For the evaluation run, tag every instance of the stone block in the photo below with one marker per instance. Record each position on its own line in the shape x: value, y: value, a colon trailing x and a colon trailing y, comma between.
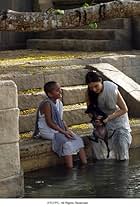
x: 27, y: 101
x: 117, y: 23
x: 27, y: 122
x: 116, y: 61
x: 135, y: 60
x: 29, y: 81
x: 9, y: 125
x: 69, y: 77
x: 8, y: 95
x: 76, y: 45
x: 12, y: 187
x: 41, y: 161
x: 9, y: 160
x: 124, y: 36
x: 74, y: 95
x: 34, y: 147
x: 76, y: 116
x: 136, y: 32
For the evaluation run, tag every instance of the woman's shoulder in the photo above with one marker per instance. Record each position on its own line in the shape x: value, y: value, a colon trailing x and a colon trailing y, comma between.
x: 110, y: 85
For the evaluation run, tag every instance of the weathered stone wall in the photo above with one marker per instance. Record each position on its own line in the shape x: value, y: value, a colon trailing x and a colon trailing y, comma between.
x: 136, y: 32
x: 15, y: 40
x: 11, y: 180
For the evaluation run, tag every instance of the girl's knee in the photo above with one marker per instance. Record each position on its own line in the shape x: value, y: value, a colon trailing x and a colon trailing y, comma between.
x: 67, y: 148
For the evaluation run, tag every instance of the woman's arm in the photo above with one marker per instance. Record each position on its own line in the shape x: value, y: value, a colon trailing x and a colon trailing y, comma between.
x: 122, y: 108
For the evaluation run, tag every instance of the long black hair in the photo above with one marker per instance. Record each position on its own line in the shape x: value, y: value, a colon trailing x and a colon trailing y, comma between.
x: 93, y: 108
x: 92, y: 76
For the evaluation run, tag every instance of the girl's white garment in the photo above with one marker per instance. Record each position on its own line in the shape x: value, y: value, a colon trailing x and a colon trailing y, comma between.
x: 72, y: 146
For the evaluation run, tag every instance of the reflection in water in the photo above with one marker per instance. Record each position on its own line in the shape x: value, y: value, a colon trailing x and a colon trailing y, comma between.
x: 103, y: 179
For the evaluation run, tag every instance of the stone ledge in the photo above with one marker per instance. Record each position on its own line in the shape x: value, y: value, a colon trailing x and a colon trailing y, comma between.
x: 12, y: 187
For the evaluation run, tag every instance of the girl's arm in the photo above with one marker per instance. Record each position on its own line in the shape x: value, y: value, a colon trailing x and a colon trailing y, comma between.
x: 66, y: 127
x: 122, y: 109
x: 46, y: 109
x: 48, y: 117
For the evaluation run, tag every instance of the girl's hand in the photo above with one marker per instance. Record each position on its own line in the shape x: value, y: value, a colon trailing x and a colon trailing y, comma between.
x: 68, y: 134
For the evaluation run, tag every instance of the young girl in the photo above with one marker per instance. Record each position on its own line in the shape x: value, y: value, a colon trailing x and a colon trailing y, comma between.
x: 51, y: 126
x: 106, y: 96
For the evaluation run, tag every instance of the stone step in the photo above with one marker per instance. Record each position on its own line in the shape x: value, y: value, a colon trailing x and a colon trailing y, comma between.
x: 88, y: 34
x: 65, y: 75
x: 117, y: 23
x: 69, y: 4
x: 77, y: 45
x: 37, y: 153
x: 73, y: 114
x: 71, y: 95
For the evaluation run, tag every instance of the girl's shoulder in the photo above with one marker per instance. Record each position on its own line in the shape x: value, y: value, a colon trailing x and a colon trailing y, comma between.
x: 59, y: 102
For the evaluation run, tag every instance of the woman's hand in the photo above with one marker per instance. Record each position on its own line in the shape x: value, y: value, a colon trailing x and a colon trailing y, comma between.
x: 110, y: 117
x: 106, y: 120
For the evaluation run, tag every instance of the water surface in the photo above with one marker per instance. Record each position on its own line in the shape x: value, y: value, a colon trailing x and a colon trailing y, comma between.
x: 102, y: 179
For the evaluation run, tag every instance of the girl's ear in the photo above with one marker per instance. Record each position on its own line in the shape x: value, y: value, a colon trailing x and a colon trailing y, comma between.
x: 49, y: 94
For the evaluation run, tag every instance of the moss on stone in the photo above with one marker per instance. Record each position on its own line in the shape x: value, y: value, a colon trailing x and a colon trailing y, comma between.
x: 75, y: 106
x: 134, y: 121
x: 27, y: 135
x: 31, y: 91
x: 27, y: 111
x: 19, y: 57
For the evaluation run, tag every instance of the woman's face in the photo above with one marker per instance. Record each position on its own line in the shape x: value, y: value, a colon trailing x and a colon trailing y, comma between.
x: 96, y: 87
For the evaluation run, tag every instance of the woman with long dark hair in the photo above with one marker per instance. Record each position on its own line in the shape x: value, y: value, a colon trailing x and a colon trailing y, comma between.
x: 105, y: 96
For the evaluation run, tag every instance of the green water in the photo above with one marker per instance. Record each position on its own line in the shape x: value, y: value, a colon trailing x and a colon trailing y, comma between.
x: 102, y: 179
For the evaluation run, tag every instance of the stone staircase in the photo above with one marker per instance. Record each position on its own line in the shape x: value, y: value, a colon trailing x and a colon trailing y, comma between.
x: 111, y: 35
x: 30, y: 79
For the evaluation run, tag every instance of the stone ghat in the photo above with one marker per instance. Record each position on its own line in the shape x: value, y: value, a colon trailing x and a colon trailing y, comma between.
x: 30, y: 78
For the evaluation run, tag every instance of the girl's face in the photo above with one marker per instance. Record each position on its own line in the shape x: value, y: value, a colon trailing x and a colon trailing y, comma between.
x: 56, y: 93
x: 96, y: 87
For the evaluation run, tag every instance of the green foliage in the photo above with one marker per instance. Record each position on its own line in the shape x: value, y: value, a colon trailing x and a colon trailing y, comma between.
x: 93, y: 25
x: 85, y: 5
x: 59, y: 12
